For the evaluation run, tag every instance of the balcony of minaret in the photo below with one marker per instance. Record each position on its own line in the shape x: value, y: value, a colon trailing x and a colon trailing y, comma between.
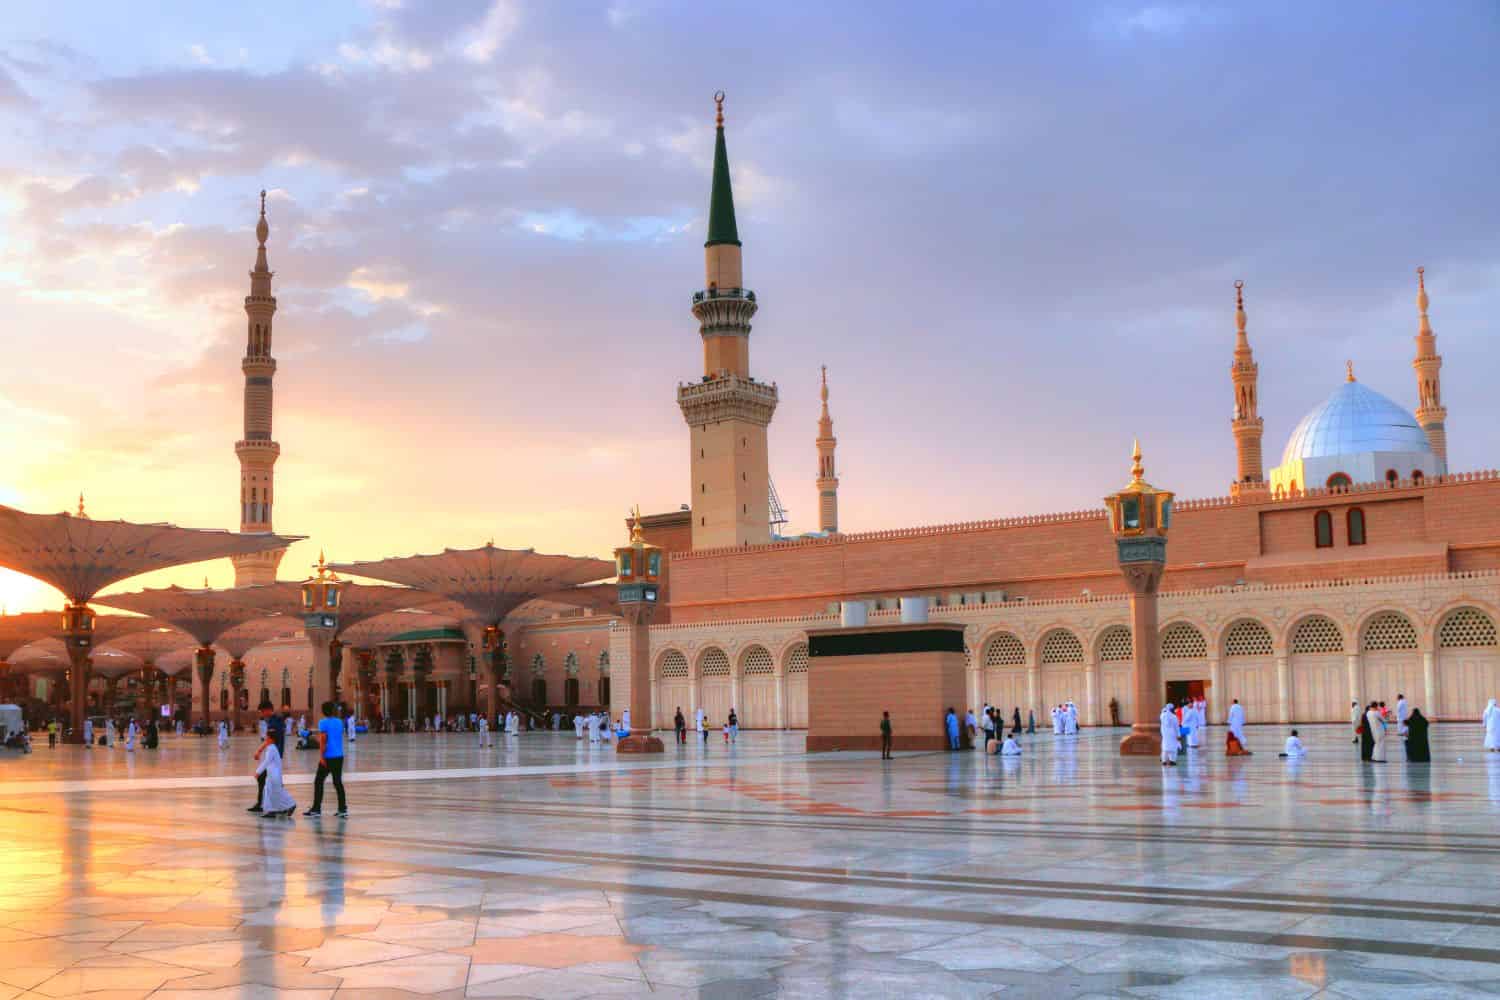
x: 727, y: 397
x: 724, y: 310
x: 258, y: 446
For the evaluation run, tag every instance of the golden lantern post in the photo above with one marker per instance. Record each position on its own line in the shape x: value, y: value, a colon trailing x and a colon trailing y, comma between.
x: 638, y: 566
x: 320, y: 620
x: 1139, y: 516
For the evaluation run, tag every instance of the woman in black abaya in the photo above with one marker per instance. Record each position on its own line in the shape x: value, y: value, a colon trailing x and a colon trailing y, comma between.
x: 1366, y: 738
x: 1417, y: 748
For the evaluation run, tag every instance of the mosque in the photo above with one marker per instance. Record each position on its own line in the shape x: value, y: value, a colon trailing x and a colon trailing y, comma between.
x: 1359, y: 567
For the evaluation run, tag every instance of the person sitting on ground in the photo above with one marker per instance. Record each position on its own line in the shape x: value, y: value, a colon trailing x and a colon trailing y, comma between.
x: 1234, y: 748
x: 1010, y: 748
x: 1294, y: 747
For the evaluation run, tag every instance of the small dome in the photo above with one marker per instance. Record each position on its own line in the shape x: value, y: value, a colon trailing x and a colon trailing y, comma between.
x: 1353, y: 421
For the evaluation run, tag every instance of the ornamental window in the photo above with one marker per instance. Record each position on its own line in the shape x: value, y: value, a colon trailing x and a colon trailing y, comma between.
x: 1323, y: 529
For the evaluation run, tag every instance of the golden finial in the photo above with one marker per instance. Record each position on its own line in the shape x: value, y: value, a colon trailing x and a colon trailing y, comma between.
x: 1239, y: 306
x: 824, y: 390
x: 718, y: 109
x: 262, y: 228
x: 1348, y: 371
x: 205, y: 584
x: 1422, y: 298
x: 1137, y: 470
x: 262, y: 201
x: 635, y: 528
x: 81, y: 512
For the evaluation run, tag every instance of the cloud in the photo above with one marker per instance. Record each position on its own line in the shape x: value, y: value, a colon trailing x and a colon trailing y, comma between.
x: 1157, y: 20
x: 498, y: 25
x: 11, y: 93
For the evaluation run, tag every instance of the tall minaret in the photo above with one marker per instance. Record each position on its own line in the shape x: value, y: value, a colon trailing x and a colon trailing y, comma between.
x: 727, y: 411
x: 828, y: 482
x: 1244, y: 374
x: 257, y: 452
x: 1428, y: 365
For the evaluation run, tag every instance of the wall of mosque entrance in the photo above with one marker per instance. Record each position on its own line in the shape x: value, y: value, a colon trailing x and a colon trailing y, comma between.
x: 1289, y: 653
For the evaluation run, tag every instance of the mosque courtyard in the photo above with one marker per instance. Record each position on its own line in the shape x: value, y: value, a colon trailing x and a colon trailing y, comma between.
x: 547, y: 868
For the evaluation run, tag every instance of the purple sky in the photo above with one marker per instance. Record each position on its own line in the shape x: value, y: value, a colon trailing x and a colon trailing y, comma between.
x: 1010, y: 231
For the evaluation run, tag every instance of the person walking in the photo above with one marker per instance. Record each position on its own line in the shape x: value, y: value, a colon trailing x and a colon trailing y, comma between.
x: 1375, y: 722
x: 950, y: 722
x: 734, y: 726
x: 1356, y: 718
x: 679, y: 724
x: 275, y: 726
x: 1418, y: 750
x: 88, y: 734
x: 330, y: 760
x: 885, y: 736
x: 1491, y: 720
x: 484, y: 730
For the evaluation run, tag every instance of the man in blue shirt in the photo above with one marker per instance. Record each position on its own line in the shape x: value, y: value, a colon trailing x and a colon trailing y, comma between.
x: 330, y: 760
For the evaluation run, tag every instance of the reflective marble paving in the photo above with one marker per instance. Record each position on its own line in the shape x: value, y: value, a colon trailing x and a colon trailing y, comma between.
x: 543, y: 867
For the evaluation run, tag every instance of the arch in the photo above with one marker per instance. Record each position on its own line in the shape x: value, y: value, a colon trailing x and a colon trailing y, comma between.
x: 1417, y: 477
x: 756, y: 661
x: 794, y: 697
x: 1315, y: 632
x: 1183, y: 641
x: 713, y: 662
x: 1441, y: 615
x: 1246, y: 637
x: 1114, y: 644
x: 1003, y: 649
x: 1466, y: 627
x: 1392, y: 477
x: 1354, y: 524
x: 1060, y: 645
x: 1387, y: 630
x: 1323, y: 530
x: 1339, y: 481
x: 672, y: 663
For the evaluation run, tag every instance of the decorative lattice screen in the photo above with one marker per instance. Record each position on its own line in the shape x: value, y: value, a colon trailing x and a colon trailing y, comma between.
x: 604, y: 664
x: 1061, y: 646
x: 1114, y: 644
x: 715, y: 663
x: 1317, y: 634
x: 1389, y: 630
x: 758, y: 661
x: 1004, y: 650
x: 796, y: 660
x: 673, y: 664
x: 538, y: 665
x: 1182, y: 641
x: 1467, y: 627
x: 570, y: 664
x: 1248, y: 638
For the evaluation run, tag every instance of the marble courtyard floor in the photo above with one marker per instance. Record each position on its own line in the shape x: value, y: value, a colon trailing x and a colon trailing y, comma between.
x: 548, y: 869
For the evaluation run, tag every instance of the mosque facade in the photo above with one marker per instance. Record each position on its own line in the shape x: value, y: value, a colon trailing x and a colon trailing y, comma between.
x: 1359, y: 567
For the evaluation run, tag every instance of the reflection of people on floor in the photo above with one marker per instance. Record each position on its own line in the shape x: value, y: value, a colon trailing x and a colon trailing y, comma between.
x: 1234, y: 748
x: 1417, y: 747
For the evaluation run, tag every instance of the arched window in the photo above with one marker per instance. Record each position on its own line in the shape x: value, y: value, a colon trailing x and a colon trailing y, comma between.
x: 1416, y: 476
x: 1323, y: 529
x: 1339, y: 481
x: 1356, y: 518
x: 1392, y: 477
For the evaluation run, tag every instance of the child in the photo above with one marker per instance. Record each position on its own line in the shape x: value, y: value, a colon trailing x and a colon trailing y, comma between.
x: 1010, y: 748
x: 726, y: 733
x: 277, y: 801
x: 223, y: 735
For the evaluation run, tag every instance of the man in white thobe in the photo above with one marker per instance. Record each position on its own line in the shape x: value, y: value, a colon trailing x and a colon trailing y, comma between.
x: 625, y: 722
x: 1237, y: 720
x: 1402, y: 711
x: 349, y: 725
x: 1294, y: 747
x: 577, y: 727
x: 1491, y: 719
x: 1010, y: 748
x: 1376, y: 722
x: 1200, y: 719
x: 593, y: 727
x: 1170, y: 732
x: 484, y: 730
x: 130, y: 735
x: 223, y: 735
x: 1072, y: 720
x: 88, y: 734
x: 1056, y: 721
x: 512, y: 723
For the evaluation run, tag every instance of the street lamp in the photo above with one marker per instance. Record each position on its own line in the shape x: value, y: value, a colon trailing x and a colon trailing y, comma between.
x: 638, y: 567
x: 1140, y: 516
x: 320, y: 620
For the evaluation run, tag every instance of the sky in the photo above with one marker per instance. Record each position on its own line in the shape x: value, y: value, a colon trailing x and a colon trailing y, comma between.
x: 1011, y: 231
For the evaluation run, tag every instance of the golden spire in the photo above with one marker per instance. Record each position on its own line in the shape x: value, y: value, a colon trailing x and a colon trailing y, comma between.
x: 825, y: 383
x: 635, y: 528
x: 262, y: 228
x: 205, y: 584
x: 81, y: 512
x: 1137, y: 470
x: 1348, y: 371
x: 718, y: 109
x: 1239, y: 307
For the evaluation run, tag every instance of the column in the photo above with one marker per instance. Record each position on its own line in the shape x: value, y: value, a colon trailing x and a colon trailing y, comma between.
x: 1283, y: 690
x: 734, y: 689
x: 1218, y: 701
x: 1356, y: 679
x: 1091, y: 691
x: 1033, y: 683
x: 1430, y: 682
x: 781, y: 696
x: 322, y: 668
x: 1143, y: 576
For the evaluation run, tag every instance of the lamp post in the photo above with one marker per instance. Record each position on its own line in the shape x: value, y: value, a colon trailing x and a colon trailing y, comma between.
x: 1139, y: 516
x: 320, y: 620
x: 78, y: 633
x: 638, y: 566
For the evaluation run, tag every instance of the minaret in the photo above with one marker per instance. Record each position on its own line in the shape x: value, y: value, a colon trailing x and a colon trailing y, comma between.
x: 828, y: 482
x: 1244, y: 374
x: 727, y: 411
x: 1428, y: 365
x: 257, y: 452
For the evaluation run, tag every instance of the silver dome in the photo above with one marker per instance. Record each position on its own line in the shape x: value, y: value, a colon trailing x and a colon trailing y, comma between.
x: 1355, y: 420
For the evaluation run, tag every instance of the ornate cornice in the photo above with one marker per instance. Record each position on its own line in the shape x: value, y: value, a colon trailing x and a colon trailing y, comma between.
x: 728, y: 397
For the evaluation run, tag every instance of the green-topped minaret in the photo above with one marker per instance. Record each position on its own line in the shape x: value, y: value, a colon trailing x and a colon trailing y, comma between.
x: 726, y: 410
